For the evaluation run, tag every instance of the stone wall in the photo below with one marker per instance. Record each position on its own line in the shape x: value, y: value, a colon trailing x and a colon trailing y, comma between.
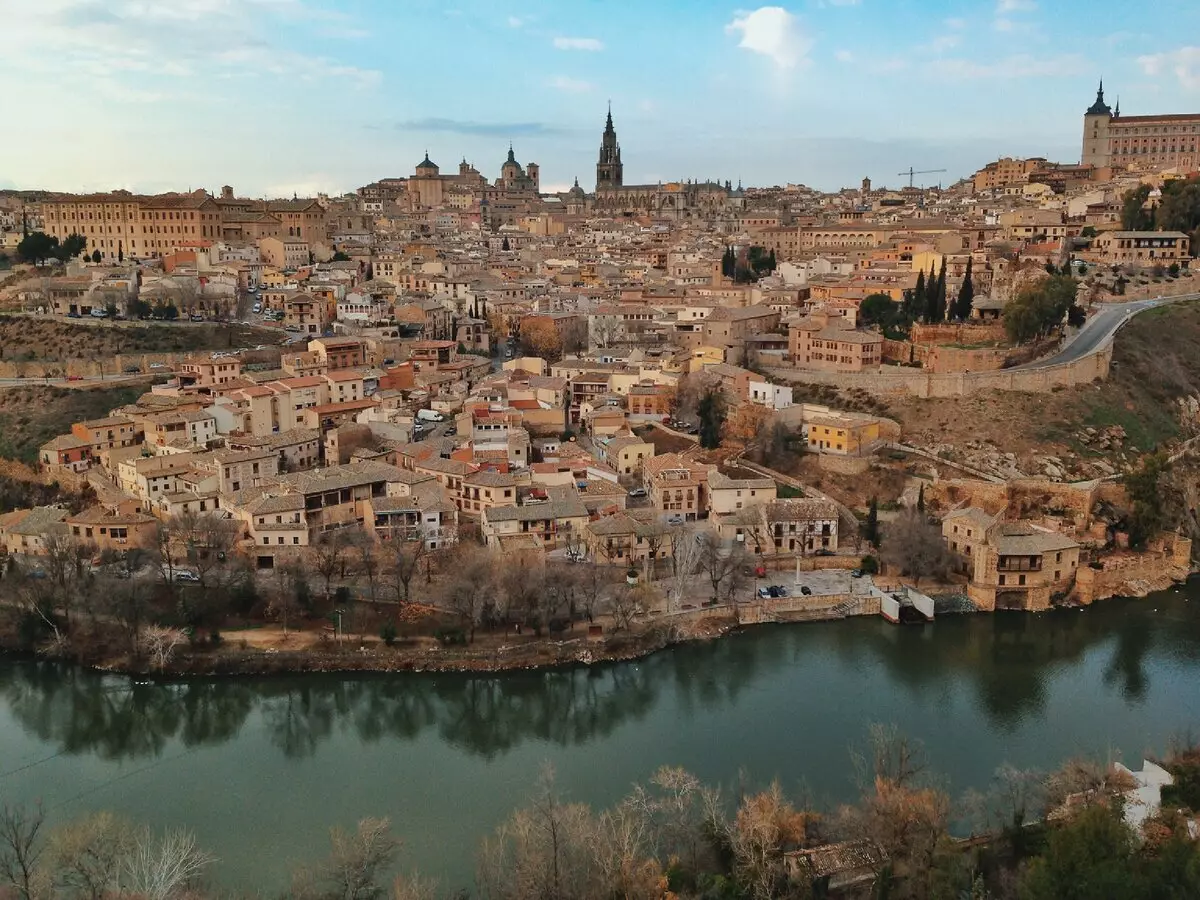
x: 960, y: 333
x: 1134, y: 574
x: 892, y: 380
x: 92, y: 367
x: 843, y: 465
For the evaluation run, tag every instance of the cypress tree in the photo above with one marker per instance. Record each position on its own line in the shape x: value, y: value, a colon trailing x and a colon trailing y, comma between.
x: 917, y: 298
x: 966, y: 296
x: 929, y: 305
x: 871, y: 528
x: 939, y: 308
x: 921, y: 500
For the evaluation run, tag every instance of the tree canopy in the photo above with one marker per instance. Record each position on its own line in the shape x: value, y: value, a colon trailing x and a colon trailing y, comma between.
x: 1039, y: 307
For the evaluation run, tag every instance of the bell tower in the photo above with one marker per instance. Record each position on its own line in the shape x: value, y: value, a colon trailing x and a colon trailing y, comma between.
x: 610, y: 172
x: 1096, y: 148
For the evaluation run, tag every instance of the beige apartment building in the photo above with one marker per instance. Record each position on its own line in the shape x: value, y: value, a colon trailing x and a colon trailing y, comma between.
x: 122, y: 224
x: 1146, y: 248
x: 827, y: 343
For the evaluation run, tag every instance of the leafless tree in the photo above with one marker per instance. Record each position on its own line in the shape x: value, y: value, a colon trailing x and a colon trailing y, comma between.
x: 523, y: 583
x: 716, y: 561
x: 290, y: 574
x: 765, y: 827
x: 21, y: 848
x: 542, y: 852
x: 64, y: 560
x: 627, y: 603
x: 471, y: 585
x: 685, y: 557
x: 414, y: 887
x: 354, y: 867
x: 403, y: 555
x: 329, y: 556
x: 656, y: 535
x: 159, y: 644
x: 161, y: 868
x: 625, y: 850
x: 87, y: 855
x: 915, y: 547
x: 366, y: 551
x: 593, y: 580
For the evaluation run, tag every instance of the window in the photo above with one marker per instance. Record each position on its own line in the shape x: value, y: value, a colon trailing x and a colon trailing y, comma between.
x: 1021, y: 579
x: 1001, y: 581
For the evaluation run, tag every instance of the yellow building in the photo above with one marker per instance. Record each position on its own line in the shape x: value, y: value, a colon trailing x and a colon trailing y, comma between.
x: 121, y: 224
x: 842, y: 434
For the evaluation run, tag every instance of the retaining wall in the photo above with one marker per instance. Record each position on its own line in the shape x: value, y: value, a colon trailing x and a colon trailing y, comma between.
x: 892, y: 380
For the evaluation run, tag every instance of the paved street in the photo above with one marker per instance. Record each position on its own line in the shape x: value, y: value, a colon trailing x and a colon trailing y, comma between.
x: 1100, y: 329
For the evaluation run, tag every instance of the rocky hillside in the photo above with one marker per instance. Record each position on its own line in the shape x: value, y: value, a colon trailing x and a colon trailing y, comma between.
x: 1151, y: 400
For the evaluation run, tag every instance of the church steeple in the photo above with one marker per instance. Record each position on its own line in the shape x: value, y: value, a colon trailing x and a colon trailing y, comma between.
x: 610, y: 172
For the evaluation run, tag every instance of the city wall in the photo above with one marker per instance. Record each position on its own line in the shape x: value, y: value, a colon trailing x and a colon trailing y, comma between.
x: 1134, y: 574
x: 919, y: 383
x: 93, y: 367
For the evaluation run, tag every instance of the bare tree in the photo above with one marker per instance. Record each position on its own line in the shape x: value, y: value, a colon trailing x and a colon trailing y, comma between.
x: 765, y: 827
x: 471, y: 586
x: 686, y: 551
x: 354, y: 867
x: 523, y: 583
x: 329, y: 554
x: 716, y: 561
x: 21, y: 847
x: 414, y: 887
x: 87, y: 855
x: 369, y: 563
x: 159, y: 644
x: 656, y: 535
x: 542, y: 852
x: 627, y: 603
x: 402, y: 562
x: 915, y: 547
x: 593, y: 580
x: 160, y: 868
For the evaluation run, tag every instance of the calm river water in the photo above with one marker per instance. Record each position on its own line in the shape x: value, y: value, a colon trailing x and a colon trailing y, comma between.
x: 260, y: 768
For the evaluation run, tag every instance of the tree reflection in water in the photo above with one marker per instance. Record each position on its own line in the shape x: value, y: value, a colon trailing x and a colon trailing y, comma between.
x: 1006, y: 658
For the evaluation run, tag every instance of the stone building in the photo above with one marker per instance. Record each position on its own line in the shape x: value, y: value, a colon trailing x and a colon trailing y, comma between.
x: 1139, y: 142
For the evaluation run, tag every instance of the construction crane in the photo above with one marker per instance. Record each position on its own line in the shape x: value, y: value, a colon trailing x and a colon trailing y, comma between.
x: 911, y: 172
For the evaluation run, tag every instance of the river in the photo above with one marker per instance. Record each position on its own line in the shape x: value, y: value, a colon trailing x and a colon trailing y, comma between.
x: 260, y: 768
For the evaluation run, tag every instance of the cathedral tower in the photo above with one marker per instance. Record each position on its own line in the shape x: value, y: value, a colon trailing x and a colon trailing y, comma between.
x: 610, y: 173
x: 1096, y: 147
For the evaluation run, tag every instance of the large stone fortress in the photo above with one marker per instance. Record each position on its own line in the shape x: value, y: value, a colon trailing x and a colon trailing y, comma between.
x: 668, y: 200
x: 1139, y: 142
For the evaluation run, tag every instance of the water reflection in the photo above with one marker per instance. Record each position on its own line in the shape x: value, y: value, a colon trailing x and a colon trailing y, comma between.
x: 1006, y: 659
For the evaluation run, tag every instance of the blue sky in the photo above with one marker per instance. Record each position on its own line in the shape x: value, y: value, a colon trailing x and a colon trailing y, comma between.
x: 283, y: 96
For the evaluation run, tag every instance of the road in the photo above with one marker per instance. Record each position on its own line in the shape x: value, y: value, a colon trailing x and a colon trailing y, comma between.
x: 64, y: 383
x: 1100, y: 328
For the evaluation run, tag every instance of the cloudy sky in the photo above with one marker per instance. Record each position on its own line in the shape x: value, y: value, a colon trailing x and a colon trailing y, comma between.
x: 283, y: 96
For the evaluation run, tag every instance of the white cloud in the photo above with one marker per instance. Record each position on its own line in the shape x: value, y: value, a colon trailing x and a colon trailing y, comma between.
x: 1183, y: 63
x: 773, y: 32
x: 844, y: 56
x: 576, y: 43
x: 1010, y: 6
x: 515, y: 21
x: 570, y: 85
x: 956, y: 24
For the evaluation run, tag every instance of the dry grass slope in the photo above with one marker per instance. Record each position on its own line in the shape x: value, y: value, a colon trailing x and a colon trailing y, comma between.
x: 30, y: 416
x: 28, y: 338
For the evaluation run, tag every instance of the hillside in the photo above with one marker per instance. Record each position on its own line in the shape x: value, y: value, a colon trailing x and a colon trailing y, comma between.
x: 30, y: 416
x: 1155, y: 366
x: 30, y: 338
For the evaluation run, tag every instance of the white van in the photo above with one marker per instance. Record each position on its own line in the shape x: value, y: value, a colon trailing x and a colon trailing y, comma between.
x: 429, y: 415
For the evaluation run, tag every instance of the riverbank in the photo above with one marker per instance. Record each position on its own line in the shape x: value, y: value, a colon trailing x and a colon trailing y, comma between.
x: 490, y: 653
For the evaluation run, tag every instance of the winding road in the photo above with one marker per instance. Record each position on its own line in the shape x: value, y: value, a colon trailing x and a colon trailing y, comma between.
x: 1100, y: 329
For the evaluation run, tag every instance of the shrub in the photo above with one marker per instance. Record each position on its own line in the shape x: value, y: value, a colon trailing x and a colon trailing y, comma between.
x: 448, y: 637
x: 388, y: 632
x: 869, y: 565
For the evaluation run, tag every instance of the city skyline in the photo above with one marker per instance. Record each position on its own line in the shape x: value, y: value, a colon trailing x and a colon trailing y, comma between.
x: 286, y: 96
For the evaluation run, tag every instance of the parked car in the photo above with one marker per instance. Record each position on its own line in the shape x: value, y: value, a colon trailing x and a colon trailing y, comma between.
x: 576, y: 556
x: 196, y: 317
x: 98, y: 313
x: 638, y: 492
x: 74, y: 378
x: 824, y: 552
x: 132, y: 370
x: 157, y: 366
x: 257, y: 307
x: 675, y: 520
x: 783, y: 591
x: 74, y: 315
x: 185, y: 575
x: 856, y: 573
x: 805, y: 590
x: 764, y: 593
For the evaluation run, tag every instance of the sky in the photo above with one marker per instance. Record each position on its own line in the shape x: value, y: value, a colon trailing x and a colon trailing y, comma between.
x: 277, y: 97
